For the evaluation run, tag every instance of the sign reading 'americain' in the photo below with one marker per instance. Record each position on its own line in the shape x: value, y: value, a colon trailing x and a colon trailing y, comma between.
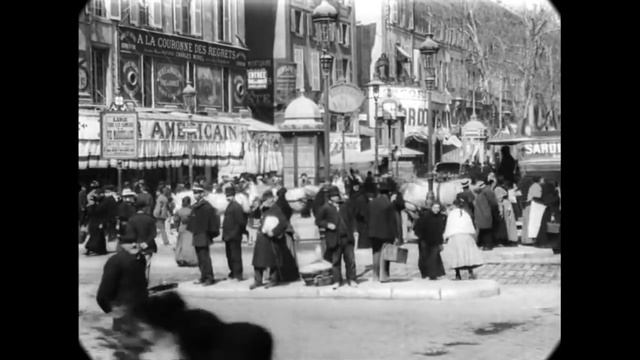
x: 174, y: 130
x: 158, y: 44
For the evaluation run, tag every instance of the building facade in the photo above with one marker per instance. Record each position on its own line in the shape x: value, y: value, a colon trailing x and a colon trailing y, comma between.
x: 389, y: 40
x: 285, y: 53
x: 147, y: 51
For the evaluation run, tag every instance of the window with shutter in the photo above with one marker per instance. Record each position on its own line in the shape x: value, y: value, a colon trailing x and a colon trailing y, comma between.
x: 186, y: 16
x: 338, y: 68
x: 347, y: 35
x: 309, y: 26
x: 227, y: 20
x: 346, y: 70
x: 315, y: 70
x: 332, y: 33
x: 134, y: 13
x: 125, y: 8
x: 300, y: 27
x: 339, y: 32
x: 220, y: 20
x: 196, y: 17
x: 293, y: 23
x: 393, y: 11
x: 298, y: 58
x: 114, y: 9
x: 154, y: 8
x: 177, y: 16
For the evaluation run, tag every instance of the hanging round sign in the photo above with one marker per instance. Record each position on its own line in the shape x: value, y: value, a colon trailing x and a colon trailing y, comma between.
x: 345, y: 98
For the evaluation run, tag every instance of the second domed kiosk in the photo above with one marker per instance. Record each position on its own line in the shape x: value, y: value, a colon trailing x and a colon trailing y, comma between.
x: 302, y: 133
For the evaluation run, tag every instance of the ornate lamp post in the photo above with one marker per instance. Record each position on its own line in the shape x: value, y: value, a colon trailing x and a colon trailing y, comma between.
x: 325, y: 16
x: 375, y: 86
x: 428, y: 49
x: 189, y: 98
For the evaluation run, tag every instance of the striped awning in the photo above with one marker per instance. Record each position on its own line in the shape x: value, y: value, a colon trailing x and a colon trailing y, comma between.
x: 154, y: 154
x: 539, y: 165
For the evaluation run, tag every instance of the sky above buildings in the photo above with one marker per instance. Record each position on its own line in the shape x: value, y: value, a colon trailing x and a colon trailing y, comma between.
x: 367, y: 11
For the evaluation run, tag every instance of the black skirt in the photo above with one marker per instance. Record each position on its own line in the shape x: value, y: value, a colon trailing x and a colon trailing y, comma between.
x: 430, y: 261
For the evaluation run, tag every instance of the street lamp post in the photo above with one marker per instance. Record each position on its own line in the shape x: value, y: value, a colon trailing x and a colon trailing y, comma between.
x: 428, y: 49
x: 325, y: 16
x: 189, y: 98
x: 375, y: 86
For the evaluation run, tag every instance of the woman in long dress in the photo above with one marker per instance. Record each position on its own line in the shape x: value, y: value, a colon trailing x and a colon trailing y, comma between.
x: 460, y: 250
x: 429, y: 229
x: 185, y: 252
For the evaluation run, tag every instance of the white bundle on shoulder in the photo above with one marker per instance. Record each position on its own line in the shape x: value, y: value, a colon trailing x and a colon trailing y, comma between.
x: 269, y: 223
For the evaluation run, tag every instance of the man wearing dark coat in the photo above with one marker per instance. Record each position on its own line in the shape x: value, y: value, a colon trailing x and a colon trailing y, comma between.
x: 319, y: 201
x: 507, y: 168
x: 146, y: 198
x: 429, y: 229
x: 233, y: 227
x: 204, y: 224
x: 485, y: 208
x: 360, y: 210
x: 270, y: 243
x: 339, y: 225
x: 97, y: 218
x: 109, y: 211
x: 142, y: 227
x: 126, y: 209
x: 383, y: 229
x: 123, y: 284
x: 468, y: 197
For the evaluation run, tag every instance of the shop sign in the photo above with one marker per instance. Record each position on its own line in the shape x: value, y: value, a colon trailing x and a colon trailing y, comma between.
x: 119, y: 135
x: 345, y: 98
x: 285, y: 74
x: 350, y: 143
x: 172, y: 46
x: 541, y: 149
x: 88, y: 128
x: 206, y: 131
x: 257, y: 79
x: 413, y: 101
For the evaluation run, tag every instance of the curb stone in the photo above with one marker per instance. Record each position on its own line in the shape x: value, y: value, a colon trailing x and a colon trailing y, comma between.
x: 406, y: 290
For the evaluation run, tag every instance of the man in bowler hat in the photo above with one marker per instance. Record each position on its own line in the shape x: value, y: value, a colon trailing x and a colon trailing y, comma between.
x: 123, y: 284
x: 383, y: 229
x: 337, y: 220
x: 204, y: 224
x: 233, y: 227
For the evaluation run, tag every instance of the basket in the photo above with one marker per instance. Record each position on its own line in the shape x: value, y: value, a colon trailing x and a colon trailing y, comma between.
x: 553, y: 228
x: 317, y: 278
x: 394, y: 253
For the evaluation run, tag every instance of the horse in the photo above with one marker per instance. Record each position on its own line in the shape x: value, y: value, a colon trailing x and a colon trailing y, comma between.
x: 415, y: 194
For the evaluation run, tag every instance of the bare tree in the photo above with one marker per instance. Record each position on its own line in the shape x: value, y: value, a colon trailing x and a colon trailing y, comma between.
x: 528, y: 43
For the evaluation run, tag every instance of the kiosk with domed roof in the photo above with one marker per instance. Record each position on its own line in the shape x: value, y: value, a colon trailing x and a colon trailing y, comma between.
x: 302, y: 133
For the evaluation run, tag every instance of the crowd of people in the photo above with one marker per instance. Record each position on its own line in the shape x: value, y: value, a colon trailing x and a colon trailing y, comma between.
x: 349, y: 212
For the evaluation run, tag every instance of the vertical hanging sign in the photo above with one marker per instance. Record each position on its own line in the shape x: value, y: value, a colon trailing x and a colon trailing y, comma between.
x: 119, y: 135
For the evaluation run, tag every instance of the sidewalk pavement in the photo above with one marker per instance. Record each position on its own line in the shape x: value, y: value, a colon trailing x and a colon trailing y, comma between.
x: 406, y: 289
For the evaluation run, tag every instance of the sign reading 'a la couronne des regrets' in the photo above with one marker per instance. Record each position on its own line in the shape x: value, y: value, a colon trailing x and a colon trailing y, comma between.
x: 159, y: 44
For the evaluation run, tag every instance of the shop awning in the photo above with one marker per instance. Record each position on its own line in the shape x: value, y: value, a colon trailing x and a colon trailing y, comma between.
x: 369, y: 155
x: 221, y: 141
x: 259, y: 126
x: 539, y: 165
x: 404, y: 56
